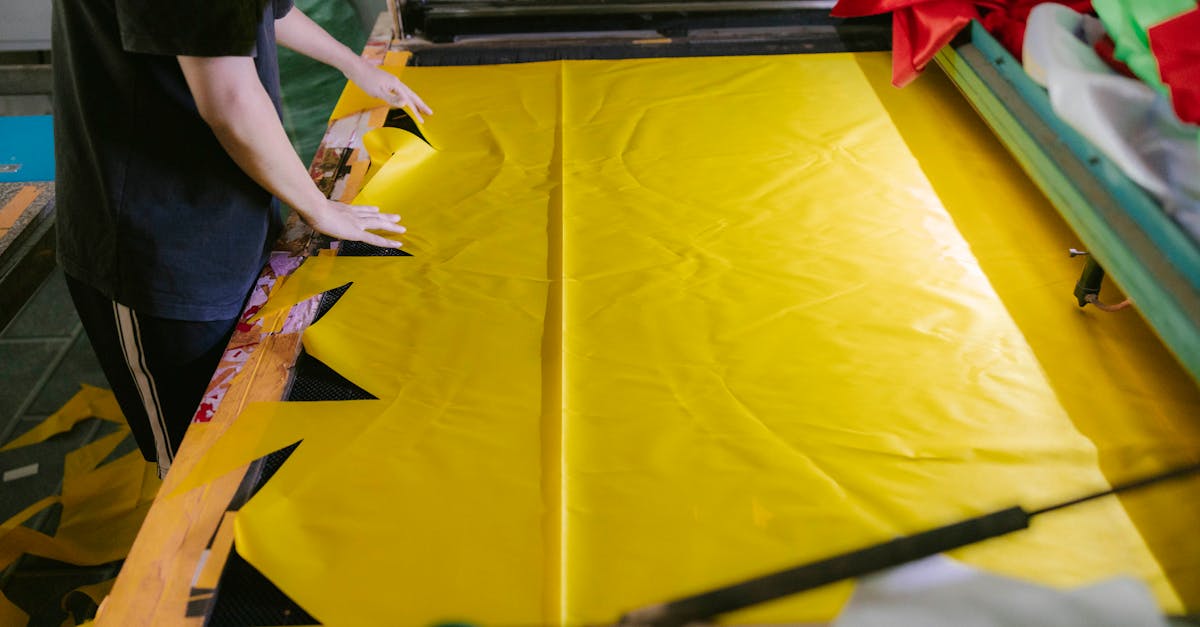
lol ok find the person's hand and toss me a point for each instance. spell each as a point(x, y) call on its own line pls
point(382, 85)
point(355, 223)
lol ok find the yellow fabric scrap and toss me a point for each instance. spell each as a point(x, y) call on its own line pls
point(675, 323)
point(90, 402)
point(97, 591)
point(103, 505)
point(10, 614)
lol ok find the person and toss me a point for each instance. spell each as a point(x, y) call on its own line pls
point(171, 162)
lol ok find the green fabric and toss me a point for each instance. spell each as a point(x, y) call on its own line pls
point(311, 88)
point(1128, 21)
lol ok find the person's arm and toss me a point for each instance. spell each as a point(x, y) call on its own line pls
point(298, 32)
point(234, 103)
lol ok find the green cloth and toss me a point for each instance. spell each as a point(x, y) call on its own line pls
point(311, 88)
point(1128, 21)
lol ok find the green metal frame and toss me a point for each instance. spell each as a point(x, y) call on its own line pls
point(1150, 256)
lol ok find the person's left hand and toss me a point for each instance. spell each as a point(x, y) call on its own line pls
point(382, 85)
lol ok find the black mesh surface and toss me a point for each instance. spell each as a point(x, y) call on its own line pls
point(362, 249)
point(245, 597)
point(399, 118)
point(271, 465)
point(315, 381)
point(329, 299)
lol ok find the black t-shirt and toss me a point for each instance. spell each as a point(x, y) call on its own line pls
point(151, 210)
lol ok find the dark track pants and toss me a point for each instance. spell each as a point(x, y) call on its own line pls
point(158, 368)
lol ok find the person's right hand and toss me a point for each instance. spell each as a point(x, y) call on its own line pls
point(355, 223)
point(380, 84)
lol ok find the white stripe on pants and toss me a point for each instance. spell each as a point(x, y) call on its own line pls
point(131, 347)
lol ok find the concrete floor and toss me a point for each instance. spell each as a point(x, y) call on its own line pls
point(44, 358)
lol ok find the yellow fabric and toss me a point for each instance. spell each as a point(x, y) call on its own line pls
point(263, 428)
point(674, 323)
point(90, 402)
point(810, 357)
point(1121, 390)
point(103, 505)
point(436, 402)
point(20, 517)
point(354, 99)
point(97, 591)
point(10, 614)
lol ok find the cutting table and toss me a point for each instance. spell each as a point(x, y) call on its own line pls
point(26, 209)
point(185, 569)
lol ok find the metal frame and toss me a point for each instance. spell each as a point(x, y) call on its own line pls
point(611, 8)
point(449, 20)
point(396, 12)
point(1154, 261)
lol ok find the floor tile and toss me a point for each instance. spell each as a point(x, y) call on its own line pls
point(48, 459)
point(22, 365)
point(78, 367)
point(49, 313)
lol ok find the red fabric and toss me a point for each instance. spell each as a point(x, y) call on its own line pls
point(1176, 45)
point(919, 31)
point(859, 8)
point(919, 28)
point(922, 27)
point(1006, 22)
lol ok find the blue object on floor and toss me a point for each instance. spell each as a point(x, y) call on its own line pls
point(26, 149)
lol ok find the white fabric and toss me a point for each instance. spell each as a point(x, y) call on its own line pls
point(1131, 123)
point(939, 592)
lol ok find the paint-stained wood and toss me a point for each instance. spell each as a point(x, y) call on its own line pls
point(154, 585)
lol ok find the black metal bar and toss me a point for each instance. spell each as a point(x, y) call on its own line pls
point(1089, 282)
point(1137, 484)
point(493, 10)
point(864, 561)
point(447, 21)
point(814, 575)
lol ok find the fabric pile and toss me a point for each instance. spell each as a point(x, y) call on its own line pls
point(1133, 123)
point(1124, 73)
point(922, 27)
point(94, 498)
point(1156, 40)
